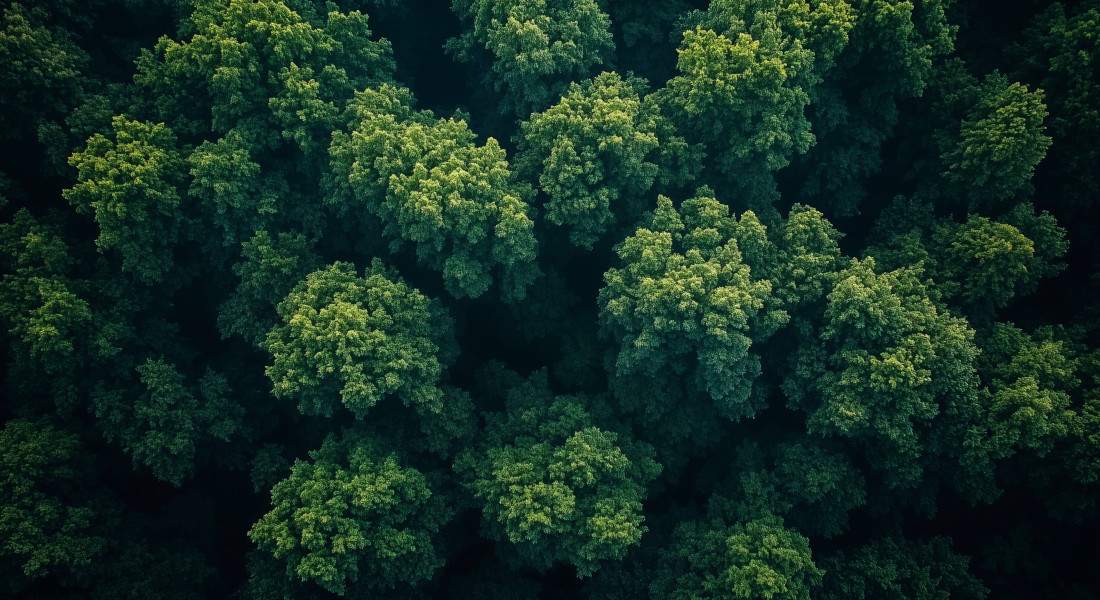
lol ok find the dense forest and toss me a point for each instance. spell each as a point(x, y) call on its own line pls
point(521, 299)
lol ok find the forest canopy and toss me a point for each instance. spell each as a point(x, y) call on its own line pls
point(598, 299)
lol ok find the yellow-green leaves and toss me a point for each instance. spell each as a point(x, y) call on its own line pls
point(593, 155)
point(455, 203)
point(354, 340)
point(757, 559)
point(353, 515)
point(128, 180)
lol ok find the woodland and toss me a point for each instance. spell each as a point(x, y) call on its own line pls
point(540, 299)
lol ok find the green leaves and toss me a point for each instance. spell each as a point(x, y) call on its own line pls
point(129, 181)
point(354, 340)
point(162, 421)
point(757, 559)
point(998, 144)
point(685, 303)
point(900, 568)
point(353, 515)
point(44, 529)
point(263, 67)
point(593, 154)
point(454, 202)
point(556, 486)
point(528, 51)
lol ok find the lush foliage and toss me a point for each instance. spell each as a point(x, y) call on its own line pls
point(599, 299)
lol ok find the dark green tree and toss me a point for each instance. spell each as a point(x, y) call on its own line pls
point(161, 420)
point(554, 484)
point(900, 568)
point(528, 51)
point(46, 526)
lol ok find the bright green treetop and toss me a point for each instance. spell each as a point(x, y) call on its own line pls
point(715, 561)
point(433, 188)
point(354, 340)
point(353, 515)
point(128, 180)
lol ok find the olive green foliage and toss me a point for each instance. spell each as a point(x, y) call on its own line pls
point(44, 527)
point(554, 484)
point(270, 267)
point(1029, 383)
point(528, 51)
point(353, 340)
point(432, 187)
point(685, 304)
point(161, 419)
point(40, 310)
point(898, 568)
point(1060, 55)
point(593, 155)
point(40, 72)
point(983, 263)
point(129, 181)
point(998, 144)
point(265, 68)
point(886, 364)
point(353, 515)
point(609, 299)
point(812, 487)
point(757, 559)
point(892, 46)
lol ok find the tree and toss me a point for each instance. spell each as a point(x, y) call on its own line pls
point(554, 484)
point(1029, 381)
point(353, 340)
point(263, 67)
point(528, 51)
point(161, 422)
point(593, 154)
point(900, 568)
point(1060, 55)
point(432, 188)
point(741, 96)
point(129, 181)
point(889, 58)
point(47, 525)
point(889, 369)
point(353, 515)
point(41, 72)
point(269, 269)
point(684, 304)
point(715, 560)
point(998, 144)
